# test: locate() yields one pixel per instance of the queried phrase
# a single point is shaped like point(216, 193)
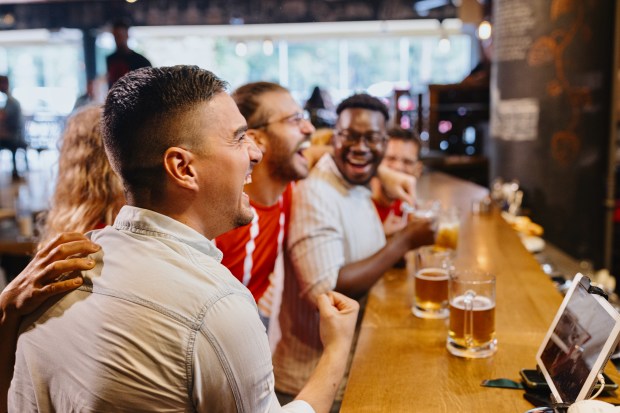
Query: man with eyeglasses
point(281, 130)
point(401, 154)
point(335, 239)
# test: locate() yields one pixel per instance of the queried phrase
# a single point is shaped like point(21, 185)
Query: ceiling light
point(484, 30)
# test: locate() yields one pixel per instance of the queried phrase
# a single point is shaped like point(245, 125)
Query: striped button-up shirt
point(333, 223)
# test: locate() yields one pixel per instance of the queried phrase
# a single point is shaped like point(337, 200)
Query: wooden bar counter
point(401, 363)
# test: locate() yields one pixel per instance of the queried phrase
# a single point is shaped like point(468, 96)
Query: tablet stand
point(559, 407)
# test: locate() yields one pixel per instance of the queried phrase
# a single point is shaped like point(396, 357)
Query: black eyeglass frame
point(373, 139)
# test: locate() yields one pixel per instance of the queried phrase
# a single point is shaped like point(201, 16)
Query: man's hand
point(62, 256)
point(338, 317)
point(397, 185)
point(393, 223)
point(420, 232)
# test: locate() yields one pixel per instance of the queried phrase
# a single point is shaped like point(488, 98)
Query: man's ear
point(259, 137)
point(180, 168)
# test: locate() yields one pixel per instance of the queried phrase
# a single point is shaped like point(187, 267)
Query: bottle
point(23, 213)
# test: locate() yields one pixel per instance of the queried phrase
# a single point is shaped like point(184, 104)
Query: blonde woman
point(88, 193)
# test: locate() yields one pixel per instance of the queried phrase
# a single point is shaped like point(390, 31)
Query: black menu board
point(550, 113)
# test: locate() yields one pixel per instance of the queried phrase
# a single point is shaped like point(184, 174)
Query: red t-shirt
point(250, 252)
point(384, 211)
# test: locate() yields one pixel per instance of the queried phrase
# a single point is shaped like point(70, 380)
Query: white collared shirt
point(159, 325)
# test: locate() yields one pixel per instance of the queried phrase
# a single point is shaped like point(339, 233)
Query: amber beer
point(479, 329)
point(471, 329)
point(447, 236)
point(448, 225)
point(431, 292)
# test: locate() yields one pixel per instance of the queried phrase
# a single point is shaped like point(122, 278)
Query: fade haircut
point(363, 101)
point(405, 135)
point(248, 100)
point(148, 111)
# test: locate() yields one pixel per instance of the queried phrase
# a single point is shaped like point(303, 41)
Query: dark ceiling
point(26, 14)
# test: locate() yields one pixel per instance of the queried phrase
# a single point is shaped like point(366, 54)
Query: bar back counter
point(401, 363)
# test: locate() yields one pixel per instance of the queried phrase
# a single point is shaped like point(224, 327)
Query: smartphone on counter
point(533, 379)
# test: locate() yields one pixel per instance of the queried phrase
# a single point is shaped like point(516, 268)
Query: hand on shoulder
point(53, 270)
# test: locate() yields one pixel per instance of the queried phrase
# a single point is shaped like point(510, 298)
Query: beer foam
point(422, 274)
point(480, 303)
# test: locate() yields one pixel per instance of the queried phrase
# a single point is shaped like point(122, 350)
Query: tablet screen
point(580, 341)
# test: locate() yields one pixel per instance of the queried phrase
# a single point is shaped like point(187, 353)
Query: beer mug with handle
point(471, 331)
point(432, 266)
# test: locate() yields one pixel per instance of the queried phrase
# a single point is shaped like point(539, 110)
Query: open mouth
point(302, 147)
point(359, 163)
point(248, 179)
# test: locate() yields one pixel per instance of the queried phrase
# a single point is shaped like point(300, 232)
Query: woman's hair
point(88, 193)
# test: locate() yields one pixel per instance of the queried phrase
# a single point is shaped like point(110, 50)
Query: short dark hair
point(141, 119)
point(363, 101)
point(405, 135)
point(248, 100)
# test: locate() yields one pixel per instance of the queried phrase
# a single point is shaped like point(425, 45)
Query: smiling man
point(159, 324)
point(335, 239)
point(281, 131)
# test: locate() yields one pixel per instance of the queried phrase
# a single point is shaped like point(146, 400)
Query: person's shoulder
point(318, 180)
point(141, 59)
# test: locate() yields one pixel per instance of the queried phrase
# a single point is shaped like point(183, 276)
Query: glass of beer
point(432, 266)
point(471, 330)
point(448, 224)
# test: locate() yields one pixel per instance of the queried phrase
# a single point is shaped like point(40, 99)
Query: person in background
point(401, 154)
point(12, 136)
point(335, 240)
point(88, 97)
point(52, 272)
point(321, 109)
point(167, 326)
point(88, 193)
point(123, 60)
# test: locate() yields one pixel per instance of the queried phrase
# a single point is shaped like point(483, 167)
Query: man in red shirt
point(281, 130)
point(402, 154)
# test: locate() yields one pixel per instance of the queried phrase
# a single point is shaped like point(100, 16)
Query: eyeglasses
point(294, 119)
point(350, 137)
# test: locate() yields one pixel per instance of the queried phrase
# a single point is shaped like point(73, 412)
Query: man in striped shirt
point(335, 239)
